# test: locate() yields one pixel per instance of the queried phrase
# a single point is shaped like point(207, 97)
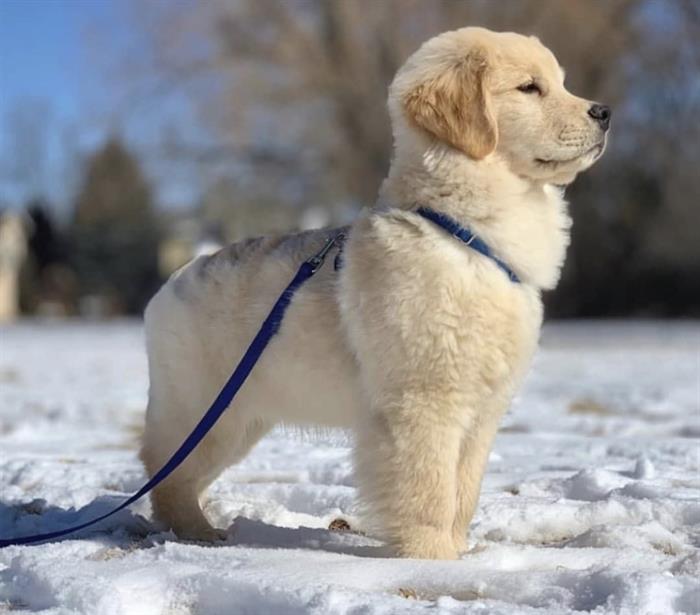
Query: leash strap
point(464, 234)
point(268, 329)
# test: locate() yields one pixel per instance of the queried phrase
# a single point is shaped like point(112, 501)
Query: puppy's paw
point(202, 534)
point(423, 542)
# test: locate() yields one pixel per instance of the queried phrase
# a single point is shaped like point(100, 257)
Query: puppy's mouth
point(594, 152)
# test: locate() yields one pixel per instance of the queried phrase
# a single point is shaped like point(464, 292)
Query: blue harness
point(268, 329)
point(464, 234)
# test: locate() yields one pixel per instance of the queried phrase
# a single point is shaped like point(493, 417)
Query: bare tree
point(294, 91)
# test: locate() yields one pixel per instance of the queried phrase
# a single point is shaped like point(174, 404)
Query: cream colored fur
point(419, 342)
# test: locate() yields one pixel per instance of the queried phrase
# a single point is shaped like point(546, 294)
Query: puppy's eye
point(530, 88)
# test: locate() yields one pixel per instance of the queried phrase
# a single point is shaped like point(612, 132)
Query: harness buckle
point(318, 259)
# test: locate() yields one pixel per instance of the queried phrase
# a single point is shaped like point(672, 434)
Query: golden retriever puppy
point(419, 341)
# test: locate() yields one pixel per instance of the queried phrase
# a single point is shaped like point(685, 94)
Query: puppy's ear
point(455, 107)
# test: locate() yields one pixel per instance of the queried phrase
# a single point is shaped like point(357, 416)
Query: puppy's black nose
point(601, 114)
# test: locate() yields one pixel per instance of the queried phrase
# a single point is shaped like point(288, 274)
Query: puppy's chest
point(488, 325)
point(476, 305)
point(461, 310)
point(448, 311)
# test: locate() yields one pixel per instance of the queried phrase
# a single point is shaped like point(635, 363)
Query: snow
point(591, 501)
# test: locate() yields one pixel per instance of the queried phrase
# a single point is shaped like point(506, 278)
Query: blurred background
point(135, 134)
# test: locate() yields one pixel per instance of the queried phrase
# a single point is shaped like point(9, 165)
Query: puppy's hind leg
point(176, 500)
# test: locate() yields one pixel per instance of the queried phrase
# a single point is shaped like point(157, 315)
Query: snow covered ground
point(591, 501)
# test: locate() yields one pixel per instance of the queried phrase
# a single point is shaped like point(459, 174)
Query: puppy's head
point(482, 92)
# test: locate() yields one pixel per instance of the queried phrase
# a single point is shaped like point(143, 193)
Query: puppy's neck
point(525, 223)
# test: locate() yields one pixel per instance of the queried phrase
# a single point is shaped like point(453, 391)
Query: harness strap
point(464, 234)
point(268, 329)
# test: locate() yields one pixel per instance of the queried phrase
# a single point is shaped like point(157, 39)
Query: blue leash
point(267, 331)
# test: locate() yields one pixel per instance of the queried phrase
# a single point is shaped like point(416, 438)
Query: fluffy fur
point(418, 343)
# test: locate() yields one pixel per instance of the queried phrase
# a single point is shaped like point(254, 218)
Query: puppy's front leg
point(406, 458)
point(473, 458)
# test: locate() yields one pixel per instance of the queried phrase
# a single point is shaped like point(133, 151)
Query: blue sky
point(41, 51)
point(64, 56)
point(43, 65)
